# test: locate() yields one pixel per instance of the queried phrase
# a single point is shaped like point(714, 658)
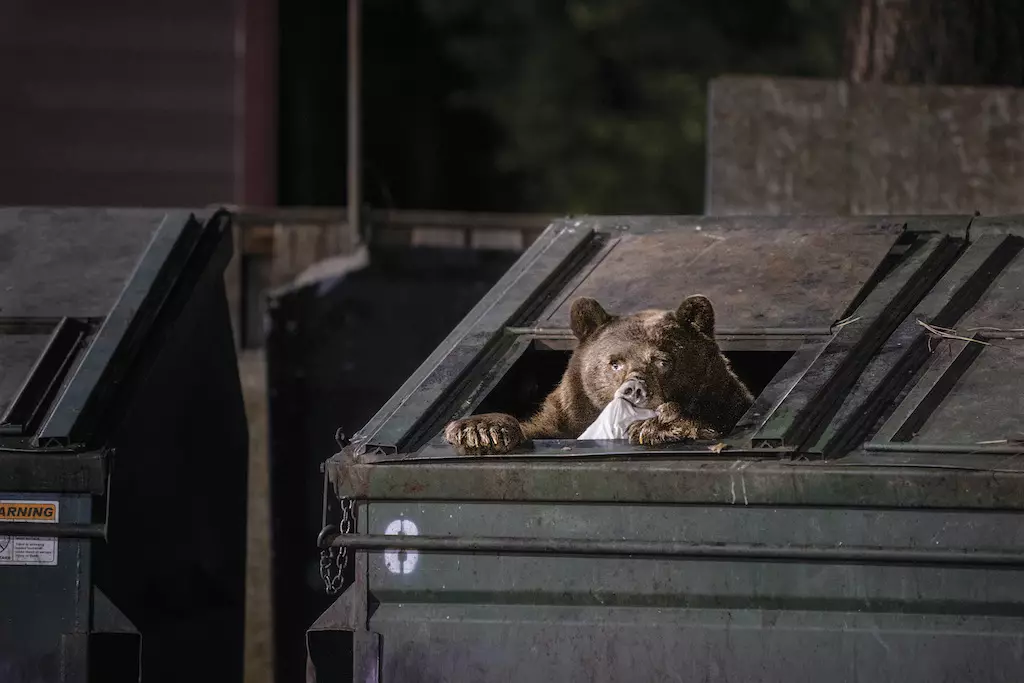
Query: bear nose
point(633, 390)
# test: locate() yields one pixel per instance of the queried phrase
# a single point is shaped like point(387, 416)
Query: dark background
point(528, 105)
point(550, 106)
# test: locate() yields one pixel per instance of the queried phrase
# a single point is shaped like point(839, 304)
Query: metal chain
point(333, 560)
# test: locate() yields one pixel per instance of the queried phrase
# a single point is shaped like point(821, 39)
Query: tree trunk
point(935, 42)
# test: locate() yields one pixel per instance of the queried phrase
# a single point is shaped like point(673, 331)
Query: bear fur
point(689, 382)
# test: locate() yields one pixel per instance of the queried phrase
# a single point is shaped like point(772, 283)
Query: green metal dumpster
point(861, 522)
point(123, 449)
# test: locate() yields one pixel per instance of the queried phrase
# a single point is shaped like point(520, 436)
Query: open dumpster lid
point(894, 380)
point(796, 274)
point(81, 290)
point(840, 298)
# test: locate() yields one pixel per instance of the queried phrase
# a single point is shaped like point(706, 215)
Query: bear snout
point(635, 391)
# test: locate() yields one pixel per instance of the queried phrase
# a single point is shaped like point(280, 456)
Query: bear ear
point(585, 316)
point(696, 310)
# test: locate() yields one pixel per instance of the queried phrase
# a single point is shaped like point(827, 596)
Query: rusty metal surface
point(802, 276)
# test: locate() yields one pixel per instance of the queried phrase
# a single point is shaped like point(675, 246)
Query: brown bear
point(673, 361)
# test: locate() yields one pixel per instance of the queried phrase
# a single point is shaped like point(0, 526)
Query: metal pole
point(354, 171)
point(675, 549)
point(946, 449)
point(59, 530)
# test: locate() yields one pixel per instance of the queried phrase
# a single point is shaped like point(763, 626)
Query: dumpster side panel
point(582, 645)
point(486, 617)
point(41, 605)
point(175, 558)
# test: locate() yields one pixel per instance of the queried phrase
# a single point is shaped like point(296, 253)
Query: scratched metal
point(692, 582)
point(721, 480)
point(783, 277)
point(495, 617)
point(480, 618)
point(906, 350)
point(569, 644)
point(985, 403)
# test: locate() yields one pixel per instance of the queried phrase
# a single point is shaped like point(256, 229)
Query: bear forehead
point(646, 327)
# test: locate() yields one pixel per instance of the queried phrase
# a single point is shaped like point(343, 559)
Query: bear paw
point(655, 431)
point(491, 434)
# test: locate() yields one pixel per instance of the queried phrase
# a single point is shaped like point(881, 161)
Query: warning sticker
point(31, 551)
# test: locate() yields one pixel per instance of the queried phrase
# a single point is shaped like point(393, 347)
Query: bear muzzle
point(634, 390)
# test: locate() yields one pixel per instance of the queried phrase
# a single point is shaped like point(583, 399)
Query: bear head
point(673, 353)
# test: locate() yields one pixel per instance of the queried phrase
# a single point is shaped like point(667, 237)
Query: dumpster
point(340, 341)
point(860, 522)
point(123, 448)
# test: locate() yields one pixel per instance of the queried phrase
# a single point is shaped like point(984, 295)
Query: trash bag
point(615, 419)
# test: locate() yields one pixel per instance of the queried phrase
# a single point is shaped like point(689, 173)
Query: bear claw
point(655, 432)
point(494, 434)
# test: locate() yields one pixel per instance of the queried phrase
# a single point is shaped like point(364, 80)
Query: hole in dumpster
point(523, 388)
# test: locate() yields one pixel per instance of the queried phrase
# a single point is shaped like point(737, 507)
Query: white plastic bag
point(615, 419)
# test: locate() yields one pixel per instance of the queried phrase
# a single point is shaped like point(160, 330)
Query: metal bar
point(712, 479)
point(608, 244)
point(401, 421)
point(42, 530)
point(492, 376)
point(771, 396)
point(906, 350)
point(552, 332)
point(41, 325)
point(155, 274)
point(36, 471)
point(675, 549)
point(554, 450)
point(49, 370)
point(929, 392)
point(945, 448)
point(836, 370)
point(355, 198)
point(653, 224)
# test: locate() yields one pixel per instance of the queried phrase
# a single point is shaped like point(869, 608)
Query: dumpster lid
point(909, 397)
point(799, 273)
point(80, 292)
point(780, 283)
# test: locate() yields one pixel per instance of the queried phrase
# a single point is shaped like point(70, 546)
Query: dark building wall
point(112, 102)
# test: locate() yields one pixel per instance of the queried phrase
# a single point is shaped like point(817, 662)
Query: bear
point(669, 358)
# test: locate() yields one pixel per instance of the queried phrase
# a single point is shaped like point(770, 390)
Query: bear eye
point(616, 365)
point(661, 363)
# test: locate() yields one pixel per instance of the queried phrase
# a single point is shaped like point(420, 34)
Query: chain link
point(333, 560)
